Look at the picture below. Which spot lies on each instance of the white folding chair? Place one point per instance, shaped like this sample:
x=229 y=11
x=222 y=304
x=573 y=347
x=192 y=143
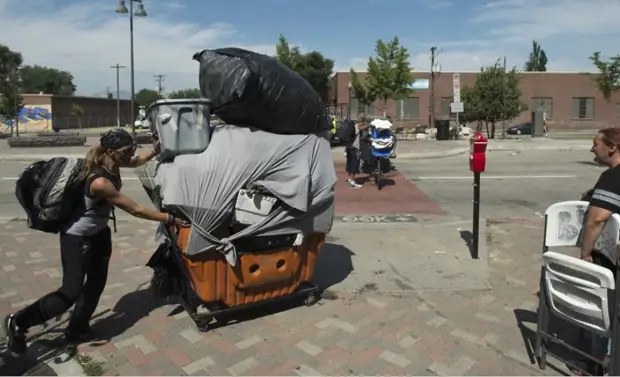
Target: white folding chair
x=577 y=291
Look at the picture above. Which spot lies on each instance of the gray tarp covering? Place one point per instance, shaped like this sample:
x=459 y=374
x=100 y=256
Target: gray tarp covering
x=297 y=169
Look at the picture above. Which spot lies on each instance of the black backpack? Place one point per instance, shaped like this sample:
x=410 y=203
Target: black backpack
x=346 y=131
x=51 y=191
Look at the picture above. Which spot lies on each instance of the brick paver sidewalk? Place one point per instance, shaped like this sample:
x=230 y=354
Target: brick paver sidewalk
x=365 y=332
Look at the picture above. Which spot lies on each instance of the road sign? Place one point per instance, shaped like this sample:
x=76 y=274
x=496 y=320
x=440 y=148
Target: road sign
x=456 y=87
x=457 y=107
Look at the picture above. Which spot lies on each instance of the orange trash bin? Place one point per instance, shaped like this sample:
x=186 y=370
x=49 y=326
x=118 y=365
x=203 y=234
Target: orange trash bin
x=256 y=276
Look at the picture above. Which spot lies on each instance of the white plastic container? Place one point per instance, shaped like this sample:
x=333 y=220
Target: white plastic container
x=182 y=125
x=252 y=208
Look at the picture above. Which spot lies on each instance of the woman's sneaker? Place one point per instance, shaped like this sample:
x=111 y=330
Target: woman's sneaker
x=16 y=339
x=354 y=184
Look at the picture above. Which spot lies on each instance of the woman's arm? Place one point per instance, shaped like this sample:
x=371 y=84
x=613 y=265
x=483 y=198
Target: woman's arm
x=103 y=188
x=144 y=157
x=141 y=159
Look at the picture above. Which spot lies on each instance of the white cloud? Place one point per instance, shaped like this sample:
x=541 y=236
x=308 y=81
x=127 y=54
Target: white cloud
x=86 y=38
x=568 y=30
x=440 y=5
x=534 y=19
x=174 y=4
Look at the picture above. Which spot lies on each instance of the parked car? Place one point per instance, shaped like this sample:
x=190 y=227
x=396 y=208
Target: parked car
x=520 y=129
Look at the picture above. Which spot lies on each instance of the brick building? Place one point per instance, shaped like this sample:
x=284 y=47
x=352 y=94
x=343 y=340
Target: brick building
x=571 y=100
x=40 y=110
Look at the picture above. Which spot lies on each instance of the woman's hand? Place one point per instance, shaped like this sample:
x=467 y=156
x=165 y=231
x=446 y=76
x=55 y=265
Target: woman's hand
x=181 y=223
x=156 y=146
x=172 y=220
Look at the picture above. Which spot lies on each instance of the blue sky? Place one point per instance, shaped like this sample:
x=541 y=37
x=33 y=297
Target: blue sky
x=85 y=37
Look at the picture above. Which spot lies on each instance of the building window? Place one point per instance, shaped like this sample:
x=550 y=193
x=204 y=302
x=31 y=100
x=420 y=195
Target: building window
x=446 y=111
x=543 y=103
x=408 y=108
x=358 y=108
x=583 y=108
x=376 y=109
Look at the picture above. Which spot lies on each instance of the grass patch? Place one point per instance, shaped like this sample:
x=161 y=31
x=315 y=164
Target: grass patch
x=90 y=366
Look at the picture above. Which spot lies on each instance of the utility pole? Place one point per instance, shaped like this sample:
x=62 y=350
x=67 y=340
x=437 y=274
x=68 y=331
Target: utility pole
x=504 y=82
x=160 y=80
x=432 y=107
x=118 y=93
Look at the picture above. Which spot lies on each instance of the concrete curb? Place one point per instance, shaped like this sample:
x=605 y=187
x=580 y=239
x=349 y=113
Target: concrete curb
x=458 y=151
x=69 y=367
x=433 y=154
x=61 y=363
x=403 y=156
x=35 y=157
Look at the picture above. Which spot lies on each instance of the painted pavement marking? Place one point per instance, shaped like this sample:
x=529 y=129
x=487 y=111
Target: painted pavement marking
x=368 y=219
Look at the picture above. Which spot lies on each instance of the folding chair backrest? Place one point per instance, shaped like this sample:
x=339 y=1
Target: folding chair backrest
x=578 y=291
x=564 y=223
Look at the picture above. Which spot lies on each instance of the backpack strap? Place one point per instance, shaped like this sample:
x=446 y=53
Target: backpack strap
x=101 y=173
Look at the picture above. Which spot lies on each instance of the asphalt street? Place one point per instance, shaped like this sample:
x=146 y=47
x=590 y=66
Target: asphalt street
x=515 y=184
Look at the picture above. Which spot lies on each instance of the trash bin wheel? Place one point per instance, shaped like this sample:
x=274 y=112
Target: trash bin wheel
x=311 y=299
x=203 y=324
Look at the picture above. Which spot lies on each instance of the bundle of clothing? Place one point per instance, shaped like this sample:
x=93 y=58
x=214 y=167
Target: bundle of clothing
x=268 y=168
x=381 y=134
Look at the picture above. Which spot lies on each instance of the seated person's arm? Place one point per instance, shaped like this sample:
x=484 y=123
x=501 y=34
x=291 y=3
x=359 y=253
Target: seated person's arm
x=604 y=202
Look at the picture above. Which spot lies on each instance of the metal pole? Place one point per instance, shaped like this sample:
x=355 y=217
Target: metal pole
x=118 y=97
x=614 y=362
x=402 y=103
x=456 y=134
x=504 y=100
x=476 y=225
x=349 y=104
x=432 y=114
x=16 y=112
x=118 y=93
x=160 y=79
x=133 y=123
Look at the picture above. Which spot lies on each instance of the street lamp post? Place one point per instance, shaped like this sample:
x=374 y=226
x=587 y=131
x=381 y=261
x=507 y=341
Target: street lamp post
x=140 y=12
x=349 y=104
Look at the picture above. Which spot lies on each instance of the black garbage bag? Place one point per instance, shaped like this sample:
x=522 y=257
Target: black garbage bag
x=250 y=89
x=167 y=280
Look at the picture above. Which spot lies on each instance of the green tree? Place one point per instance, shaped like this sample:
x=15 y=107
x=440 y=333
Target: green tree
x=290 y=56
x=185 y=93
x=312 y=66
x=147 y=96
x=538 y=59
x=11 y=101
x=608 y=78
x=77 y=111
x=472 y=106
x=37 y=79
x=389 y=73
x=495 y=97
x=360 y=92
